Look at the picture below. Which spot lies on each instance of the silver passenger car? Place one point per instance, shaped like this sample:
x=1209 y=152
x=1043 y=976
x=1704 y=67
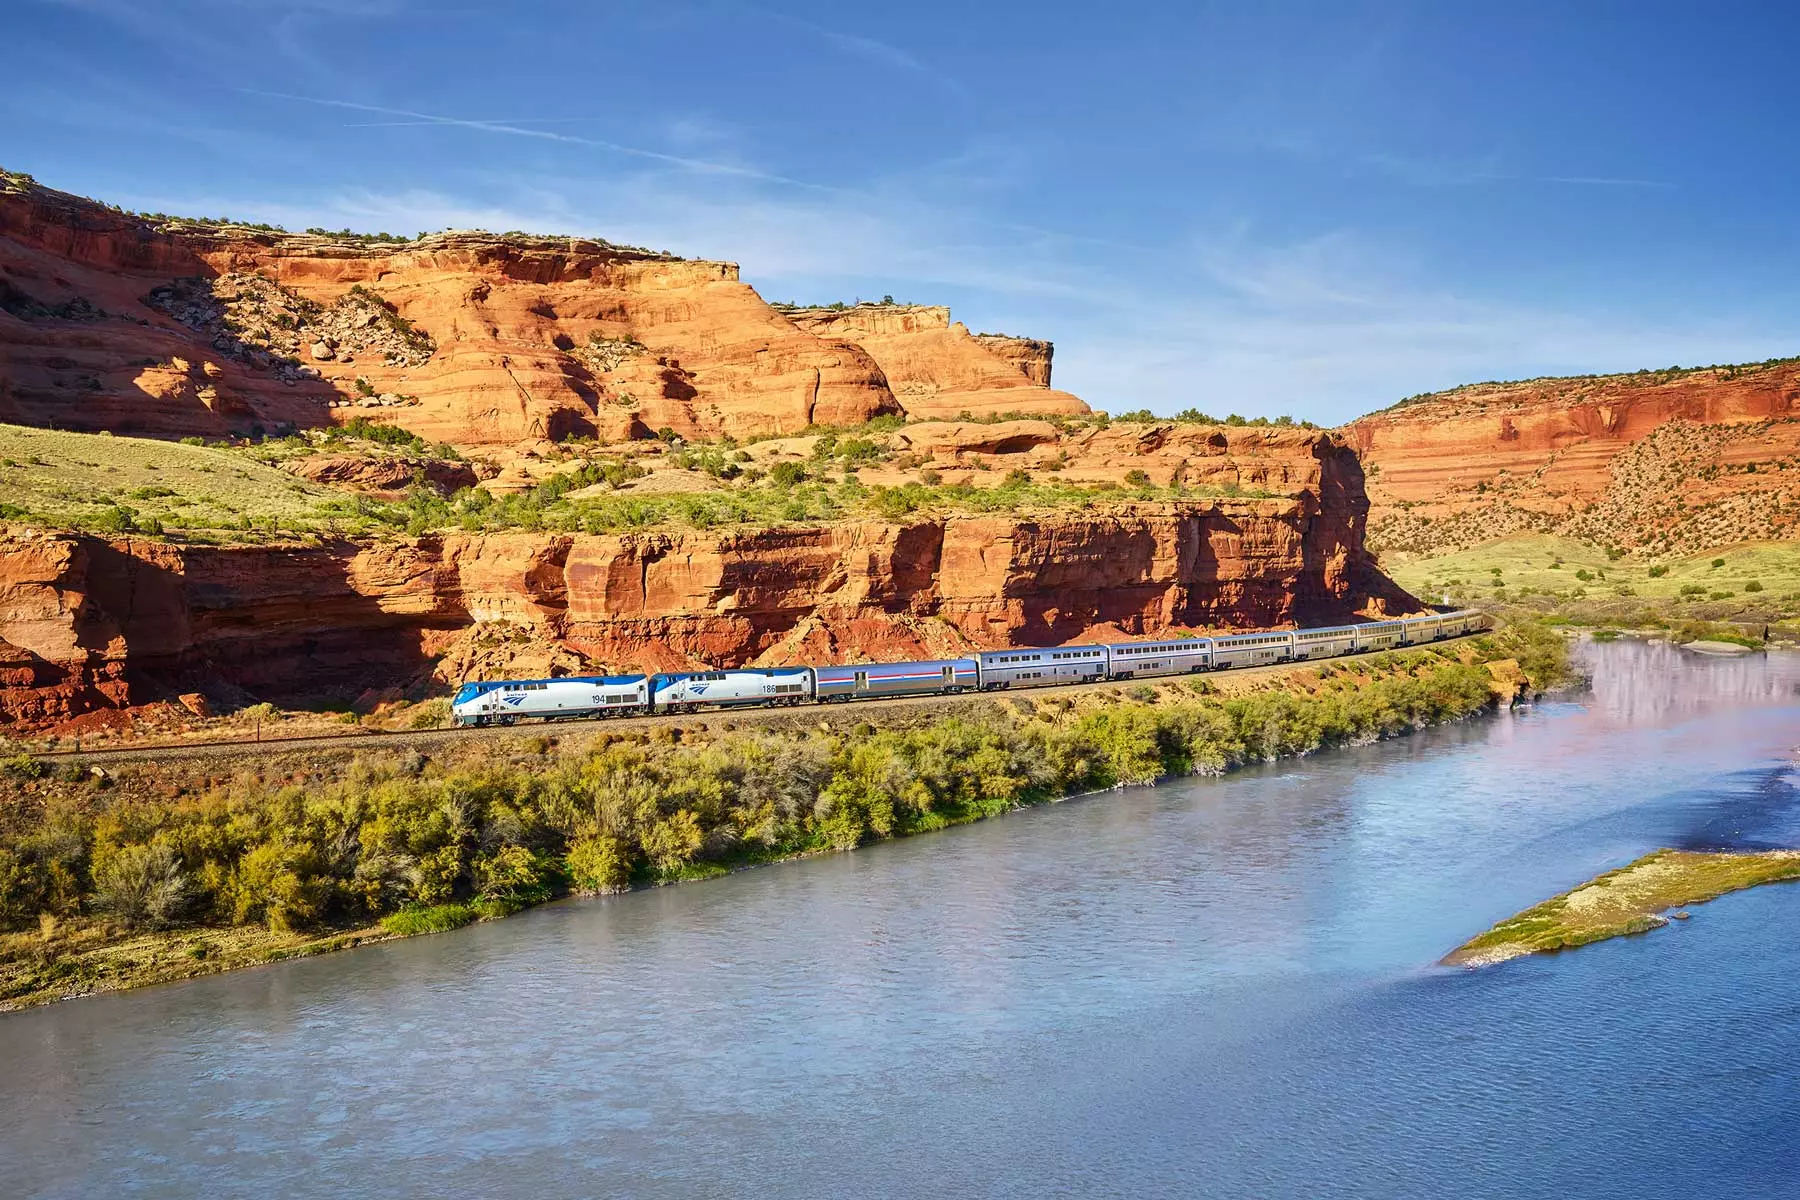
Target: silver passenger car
x=1252 y=649
x=1379 y=635
x=1041 y=668
x=1179 y=656
x=1324 y=643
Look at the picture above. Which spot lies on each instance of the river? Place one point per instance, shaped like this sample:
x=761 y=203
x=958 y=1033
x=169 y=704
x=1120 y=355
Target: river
x=1209 y=988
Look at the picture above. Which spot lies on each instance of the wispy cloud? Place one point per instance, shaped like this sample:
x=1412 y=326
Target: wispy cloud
x=526 y=131
x=1597 y=181
x=1424 y=171
x=862 y=47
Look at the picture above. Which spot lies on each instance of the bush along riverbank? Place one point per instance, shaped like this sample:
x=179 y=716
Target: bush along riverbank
x=146 y=876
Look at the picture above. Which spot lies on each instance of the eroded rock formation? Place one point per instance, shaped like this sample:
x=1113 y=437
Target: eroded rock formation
x=937 y=368
x=109 y=321
x=1673 y=460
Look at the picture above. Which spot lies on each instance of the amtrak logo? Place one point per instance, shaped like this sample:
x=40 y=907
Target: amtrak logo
x=697 y=689
x=515 y=701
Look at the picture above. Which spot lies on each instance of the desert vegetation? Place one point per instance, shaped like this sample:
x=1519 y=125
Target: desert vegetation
x=417 y=845
x=1752 y=583
x=234 y=493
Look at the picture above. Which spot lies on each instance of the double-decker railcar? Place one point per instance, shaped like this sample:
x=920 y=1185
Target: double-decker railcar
x=1327 y=642
x=1042 y=667
x=1179 y=656
x=1455 y=624
x=1421 y=629
x=504 y=701
x=940 y=676
x=684 y=690
x=1379 y=635
x=1251 y=649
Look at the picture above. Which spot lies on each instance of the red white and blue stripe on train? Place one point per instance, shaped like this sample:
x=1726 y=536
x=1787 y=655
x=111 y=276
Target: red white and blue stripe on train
x=579 y=696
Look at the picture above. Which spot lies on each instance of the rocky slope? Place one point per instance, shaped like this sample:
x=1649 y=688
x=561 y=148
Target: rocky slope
x=93 y=625
x=937 y=368
x=1671 y=461
x=171 y=328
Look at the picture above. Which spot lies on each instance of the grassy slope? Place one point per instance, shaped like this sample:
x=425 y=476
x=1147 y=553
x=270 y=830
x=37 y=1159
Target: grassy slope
x=74 y=480
x=1628 y=900
x=60 y=480
x=1525 y=562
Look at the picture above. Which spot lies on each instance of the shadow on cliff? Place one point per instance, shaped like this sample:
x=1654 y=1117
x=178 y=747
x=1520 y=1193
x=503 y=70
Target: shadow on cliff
x=283 y=624
x=166 y=364
x=1341 y=577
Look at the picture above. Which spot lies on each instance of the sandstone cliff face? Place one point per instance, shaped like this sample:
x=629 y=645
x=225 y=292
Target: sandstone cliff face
x=91 y=624
x=936 y=368
x=110 y=322
x=1031 y=356
x=1653 y=461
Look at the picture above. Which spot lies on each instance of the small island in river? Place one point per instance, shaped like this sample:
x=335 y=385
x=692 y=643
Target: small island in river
x=1631 y=899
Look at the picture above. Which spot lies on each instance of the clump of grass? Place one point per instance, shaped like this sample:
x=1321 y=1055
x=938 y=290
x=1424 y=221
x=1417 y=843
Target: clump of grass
x=437 y=918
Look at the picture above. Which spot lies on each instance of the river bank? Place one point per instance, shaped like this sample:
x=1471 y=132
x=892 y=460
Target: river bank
x=147 y=875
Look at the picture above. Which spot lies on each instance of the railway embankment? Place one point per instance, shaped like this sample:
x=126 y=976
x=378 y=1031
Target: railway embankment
x=166 y=867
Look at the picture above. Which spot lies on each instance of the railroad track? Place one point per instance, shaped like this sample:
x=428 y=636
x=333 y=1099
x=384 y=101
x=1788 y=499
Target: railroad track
x=805 y=714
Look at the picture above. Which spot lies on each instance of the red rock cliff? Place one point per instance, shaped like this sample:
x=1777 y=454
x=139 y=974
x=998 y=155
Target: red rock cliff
x=1672 y=460
x=174 y=328
x=937 y=368
x=90 y=623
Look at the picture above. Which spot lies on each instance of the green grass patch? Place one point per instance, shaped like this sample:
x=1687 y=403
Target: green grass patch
x=438 y=918
x=1628 y=900
x=121 y=485
x=1542 y=565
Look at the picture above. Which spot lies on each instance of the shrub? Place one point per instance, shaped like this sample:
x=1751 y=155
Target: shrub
x=430 y=714
x=513 y=875
x=141 y=886
x=1137 y=478
x=787 y=474
x=119 y=518
x=1658 y=572
x=599 y=863
x=23 y=766
x=1717 y=563
x=1754 y=585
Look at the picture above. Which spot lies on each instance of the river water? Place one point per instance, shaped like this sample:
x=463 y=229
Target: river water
x=1216 y=987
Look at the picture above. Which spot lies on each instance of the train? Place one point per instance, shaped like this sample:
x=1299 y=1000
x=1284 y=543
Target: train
x=577 y=697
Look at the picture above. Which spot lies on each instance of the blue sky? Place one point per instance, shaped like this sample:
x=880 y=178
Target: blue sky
x=1305 y=208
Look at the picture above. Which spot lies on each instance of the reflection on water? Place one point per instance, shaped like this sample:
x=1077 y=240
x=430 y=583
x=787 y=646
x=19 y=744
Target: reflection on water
x=1218 y=987
x=1634 y=685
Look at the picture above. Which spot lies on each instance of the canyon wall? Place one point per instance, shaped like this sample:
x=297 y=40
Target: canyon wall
x=1674 y=460
x=90 y=624
x=170 y=328
x=937 y=368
